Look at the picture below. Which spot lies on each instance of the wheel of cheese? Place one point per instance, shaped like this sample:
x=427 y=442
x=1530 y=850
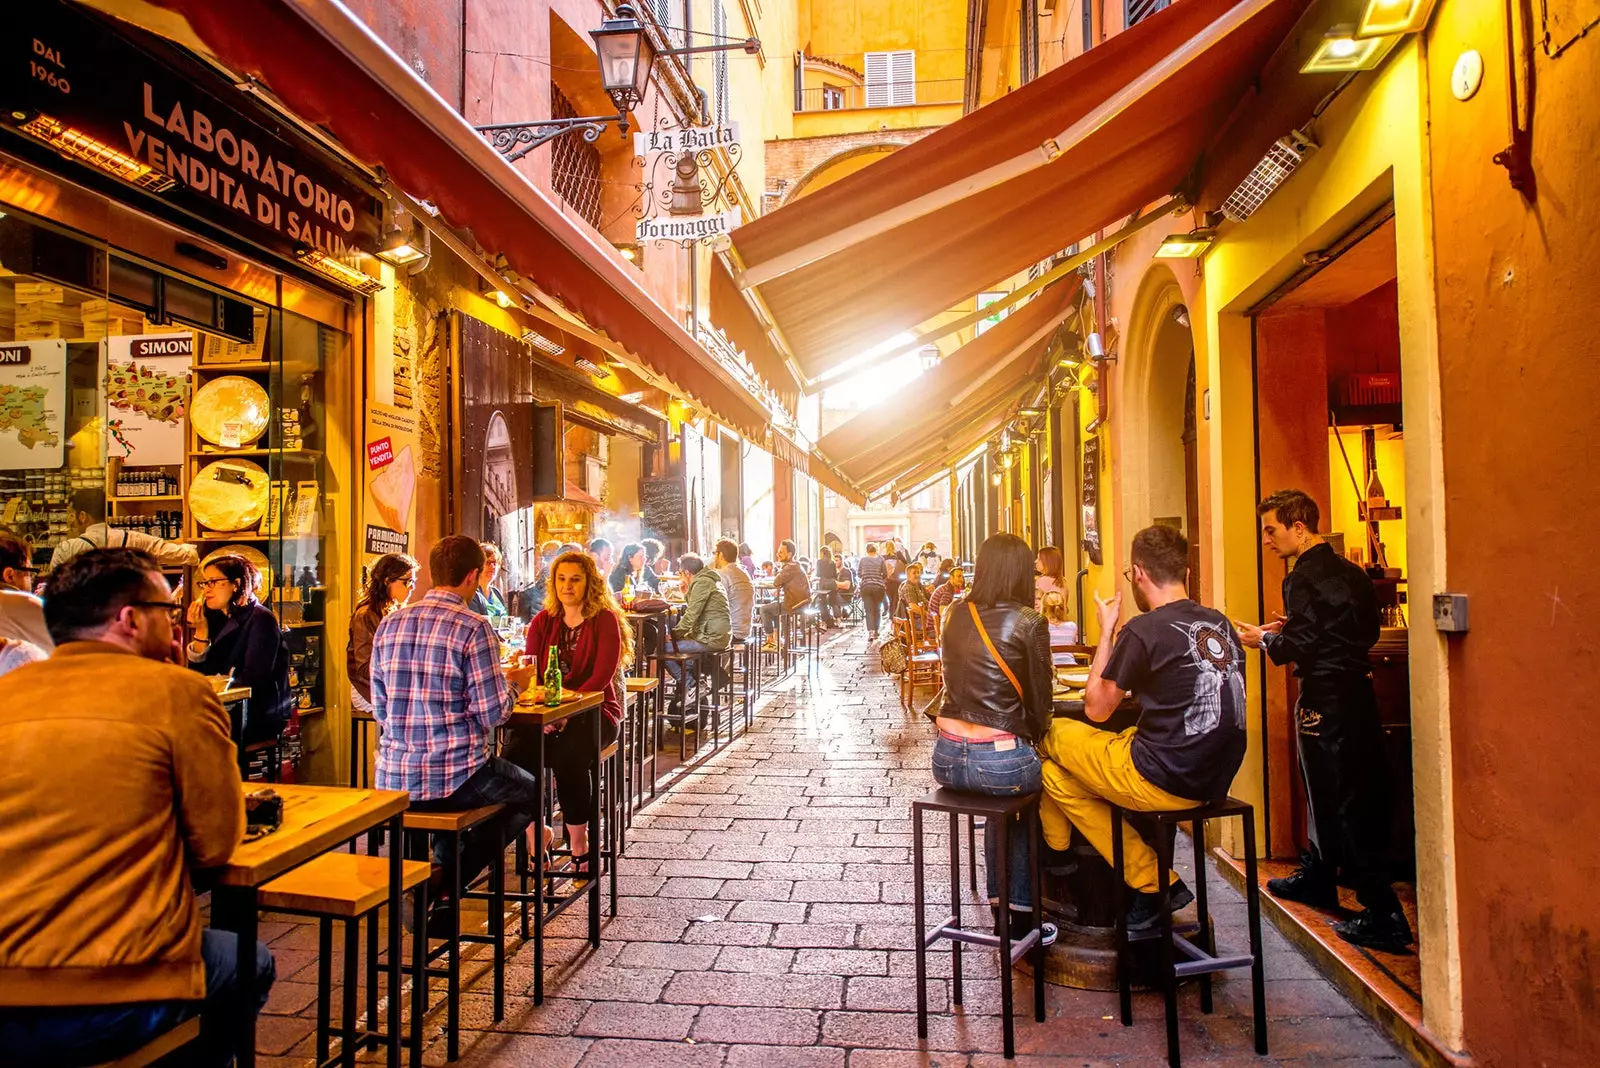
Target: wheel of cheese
x=231 y=411
x=229 y=495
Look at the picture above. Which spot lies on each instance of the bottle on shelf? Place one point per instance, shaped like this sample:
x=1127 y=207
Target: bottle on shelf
x=552 y=680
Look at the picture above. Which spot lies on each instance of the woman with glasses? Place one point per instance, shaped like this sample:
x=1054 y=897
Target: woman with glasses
x=233 y=632
x=389 y=587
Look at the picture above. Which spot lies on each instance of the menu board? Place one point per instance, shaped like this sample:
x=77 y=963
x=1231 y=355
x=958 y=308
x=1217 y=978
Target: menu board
x=664 y=502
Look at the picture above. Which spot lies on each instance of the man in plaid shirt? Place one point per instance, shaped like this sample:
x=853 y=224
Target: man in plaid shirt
x=438 y=695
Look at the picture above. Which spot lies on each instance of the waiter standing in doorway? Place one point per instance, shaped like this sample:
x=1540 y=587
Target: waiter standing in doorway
x=1330 y=626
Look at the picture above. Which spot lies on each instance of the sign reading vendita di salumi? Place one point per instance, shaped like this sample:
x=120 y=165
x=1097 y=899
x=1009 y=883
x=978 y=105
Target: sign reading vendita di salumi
x=72 y=83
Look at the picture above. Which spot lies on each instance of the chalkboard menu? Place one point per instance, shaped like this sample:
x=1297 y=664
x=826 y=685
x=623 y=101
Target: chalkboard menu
x=1091 y=499
x=666 y=508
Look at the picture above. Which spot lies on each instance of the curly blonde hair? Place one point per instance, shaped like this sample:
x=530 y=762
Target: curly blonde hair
x=597 y=596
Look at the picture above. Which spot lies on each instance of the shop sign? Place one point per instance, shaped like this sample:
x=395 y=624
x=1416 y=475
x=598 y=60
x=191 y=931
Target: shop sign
x=73 y=84
x=687 y=139
x=686 y=227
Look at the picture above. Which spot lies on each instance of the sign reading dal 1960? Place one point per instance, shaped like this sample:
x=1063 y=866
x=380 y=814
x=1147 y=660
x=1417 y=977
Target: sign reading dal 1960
x=68 y=80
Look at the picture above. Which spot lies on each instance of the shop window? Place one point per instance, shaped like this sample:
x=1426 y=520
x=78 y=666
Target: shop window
x=574 y=164
x=891 y=79
x=1138 y=10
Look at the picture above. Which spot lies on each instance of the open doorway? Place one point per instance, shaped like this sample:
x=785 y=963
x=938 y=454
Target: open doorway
x=1331 y=422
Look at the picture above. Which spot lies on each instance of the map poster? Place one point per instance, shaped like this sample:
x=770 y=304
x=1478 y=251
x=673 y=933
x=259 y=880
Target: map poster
x=33 y=398
x=390 y=478
x=147 y=397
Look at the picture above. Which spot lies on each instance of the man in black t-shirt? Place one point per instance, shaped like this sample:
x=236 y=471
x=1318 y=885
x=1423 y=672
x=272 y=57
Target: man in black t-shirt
x=1183 y=660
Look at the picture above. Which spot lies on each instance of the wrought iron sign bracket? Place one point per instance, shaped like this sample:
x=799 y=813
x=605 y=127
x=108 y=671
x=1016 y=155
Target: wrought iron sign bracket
x=513 y=140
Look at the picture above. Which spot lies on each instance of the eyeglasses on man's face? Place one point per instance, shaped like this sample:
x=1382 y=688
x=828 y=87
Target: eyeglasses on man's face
x=173 y=610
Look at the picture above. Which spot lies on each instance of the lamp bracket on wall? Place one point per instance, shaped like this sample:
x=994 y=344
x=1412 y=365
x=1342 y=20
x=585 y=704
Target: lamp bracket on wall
x=513 y=140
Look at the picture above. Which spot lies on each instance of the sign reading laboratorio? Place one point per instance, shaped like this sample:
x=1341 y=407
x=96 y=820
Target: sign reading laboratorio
x=33 y=397
x=689 y=139
x=71 y=83
x=390 y=478
x=686 y=227
x=147 y=396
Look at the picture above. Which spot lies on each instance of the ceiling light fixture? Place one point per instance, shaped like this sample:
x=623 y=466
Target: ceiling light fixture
x=337 y=270
x=1187 y=246
x=1281 y=160
x=1341 y=52
x=1381 y=18
x=629 y=253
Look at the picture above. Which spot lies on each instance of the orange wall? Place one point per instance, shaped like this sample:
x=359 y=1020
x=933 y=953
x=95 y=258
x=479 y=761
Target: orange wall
x=1516 y=288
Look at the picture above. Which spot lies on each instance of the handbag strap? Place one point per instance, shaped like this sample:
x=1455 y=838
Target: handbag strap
x=998 y=659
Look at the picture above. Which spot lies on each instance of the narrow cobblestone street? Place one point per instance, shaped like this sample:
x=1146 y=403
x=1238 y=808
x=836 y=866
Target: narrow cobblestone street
x=765 y=920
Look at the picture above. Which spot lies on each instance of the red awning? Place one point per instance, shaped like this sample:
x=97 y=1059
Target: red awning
x=331 y=70
x=986 y=371
x=732 y=314
x=1070 y=153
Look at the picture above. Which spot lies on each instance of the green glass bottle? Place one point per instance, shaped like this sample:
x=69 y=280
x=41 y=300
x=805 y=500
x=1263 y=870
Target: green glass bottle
x=552 y=679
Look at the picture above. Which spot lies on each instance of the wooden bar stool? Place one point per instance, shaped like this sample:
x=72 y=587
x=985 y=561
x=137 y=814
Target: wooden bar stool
x=350 y=888
x=1202 y=960
x=1003 y=809
x=158 y=1047
x=418 y=825
x=646 y=693
x=611 y=840
x=360 y=723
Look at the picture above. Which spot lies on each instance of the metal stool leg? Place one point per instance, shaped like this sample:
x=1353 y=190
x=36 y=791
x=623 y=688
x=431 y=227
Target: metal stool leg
x=972 y=851
x=1036 y=843
x=324 y=985
x=1120 y=904
x=955 y=901
x=1003 y=929
x=1169 y=976
x=1258 y=971
x=419 y=973
x=1197 y=832
x=351 y=994
x=921 y=922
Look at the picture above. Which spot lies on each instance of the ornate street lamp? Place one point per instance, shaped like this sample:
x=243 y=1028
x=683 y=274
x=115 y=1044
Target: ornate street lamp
x=626 y=56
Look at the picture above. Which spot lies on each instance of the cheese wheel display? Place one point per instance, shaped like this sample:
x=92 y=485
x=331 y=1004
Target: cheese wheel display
x=229 y=495
x=231 y=411
x=258 y=560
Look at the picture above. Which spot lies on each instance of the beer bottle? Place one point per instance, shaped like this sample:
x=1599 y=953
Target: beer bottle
x=552 y=680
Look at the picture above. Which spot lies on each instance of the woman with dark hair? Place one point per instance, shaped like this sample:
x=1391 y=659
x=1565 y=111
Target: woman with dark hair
x=389 y=586
x=656 y=560
x=583 y=624
x=1051 y=575
x=747 y=559
x=234 y=632
x=997 y=704
x=486 y=599
x=634 y=565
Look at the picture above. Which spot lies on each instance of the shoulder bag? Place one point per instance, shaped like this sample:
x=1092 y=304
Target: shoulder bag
x=977 y=621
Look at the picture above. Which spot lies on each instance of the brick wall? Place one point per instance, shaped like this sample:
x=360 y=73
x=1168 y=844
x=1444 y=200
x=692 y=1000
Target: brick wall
x=790 y=161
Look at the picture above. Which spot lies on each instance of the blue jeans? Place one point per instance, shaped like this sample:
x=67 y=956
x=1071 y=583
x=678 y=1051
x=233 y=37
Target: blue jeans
x=977 y=767
x=69 y=1036
x=498 y=782
x=872 y=604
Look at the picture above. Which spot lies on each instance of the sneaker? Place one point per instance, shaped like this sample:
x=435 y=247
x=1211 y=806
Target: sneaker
x=1022 y=923
x=1145 y=911
x=1308 y=884
x=1386 y=931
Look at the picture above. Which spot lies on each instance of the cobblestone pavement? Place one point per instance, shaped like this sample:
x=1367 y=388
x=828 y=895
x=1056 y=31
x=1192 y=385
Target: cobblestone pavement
x=764 y=920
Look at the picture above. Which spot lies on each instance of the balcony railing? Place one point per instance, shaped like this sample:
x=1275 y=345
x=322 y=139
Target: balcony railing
x=886 y=95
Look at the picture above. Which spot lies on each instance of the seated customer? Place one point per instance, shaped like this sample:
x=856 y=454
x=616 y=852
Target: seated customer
x=486 y=599
x=438 y=694
x=1062 y=630
x=120 y=785
x=1183 y=660
x=234 y=632
x=792 y=588
x=947 y=593
x=997 y=694
x=633 y=570
x=389 y=587
x=741 y=594
x=705 y=624
x=21 y=613
x=592 y=641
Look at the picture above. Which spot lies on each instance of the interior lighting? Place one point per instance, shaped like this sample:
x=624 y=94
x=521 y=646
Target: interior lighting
x=629 y=253
x=1382 y=18
x=337 y=270
x=502 y=298
x=1186 y=246
x=1030 y=413
x=1007 y=460
x=1281 y=160
x=400 y=253
x=1341 y=52
x=75 y=144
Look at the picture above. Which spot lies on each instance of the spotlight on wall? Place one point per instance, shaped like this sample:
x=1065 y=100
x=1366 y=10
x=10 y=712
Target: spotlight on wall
x=1384 y=17
x=1180 y=315
x=1186 y=246
x=1095 y=346
x=1341 y=52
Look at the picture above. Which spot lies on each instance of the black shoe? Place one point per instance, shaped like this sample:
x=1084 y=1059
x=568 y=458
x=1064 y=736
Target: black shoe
x=1145 y=911
x=1057 y=861
x=1387 y=931
x=442 y=920
x=1308 y=884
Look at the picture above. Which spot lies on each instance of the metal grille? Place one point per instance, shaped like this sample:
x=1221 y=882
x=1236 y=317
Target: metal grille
x=1137 y=10
x=1273 y=170
x=574 y=164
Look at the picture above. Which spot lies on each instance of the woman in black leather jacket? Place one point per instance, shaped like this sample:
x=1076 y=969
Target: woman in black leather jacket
x=996 y=712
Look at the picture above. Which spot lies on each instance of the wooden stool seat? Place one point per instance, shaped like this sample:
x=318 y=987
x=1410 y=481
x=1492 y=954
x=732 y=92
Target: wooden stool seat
x=448 y=822
x=339 y=884
x=643 y=685
x=158 y=1047
x=356 y=713
x=609 y=751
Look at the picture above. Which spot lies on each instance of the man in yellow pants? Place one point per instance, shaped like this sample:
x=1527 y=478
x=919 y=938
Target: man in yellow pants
x=1184 y=662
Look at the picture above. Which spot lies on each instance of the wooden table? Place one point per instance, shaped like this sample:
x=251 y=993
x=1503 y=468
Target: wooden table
x=315 y=819
x=536 y=718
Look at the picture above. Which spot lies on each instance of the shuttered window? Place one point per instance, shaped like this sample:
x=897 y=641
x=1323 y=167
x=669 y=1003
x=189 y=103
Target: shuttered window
x=666 y=13
x=891 y=79
x=1137 y=10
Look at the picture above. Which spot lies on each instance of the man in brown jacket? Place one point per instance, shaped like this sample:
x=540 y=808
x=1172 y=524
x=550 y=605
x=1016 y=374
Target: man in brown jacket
x=118 y=781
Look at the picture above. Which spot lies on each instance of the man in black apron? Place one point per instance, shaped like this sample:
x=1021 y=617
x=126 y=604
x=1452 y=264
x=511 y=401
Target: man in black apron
x=1330 y=626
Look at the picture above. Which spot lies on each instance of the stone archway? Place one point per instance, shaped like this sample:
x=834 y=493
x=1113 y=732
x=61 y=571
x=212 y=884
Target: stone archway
x=844 y=162
x=1160 y=476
